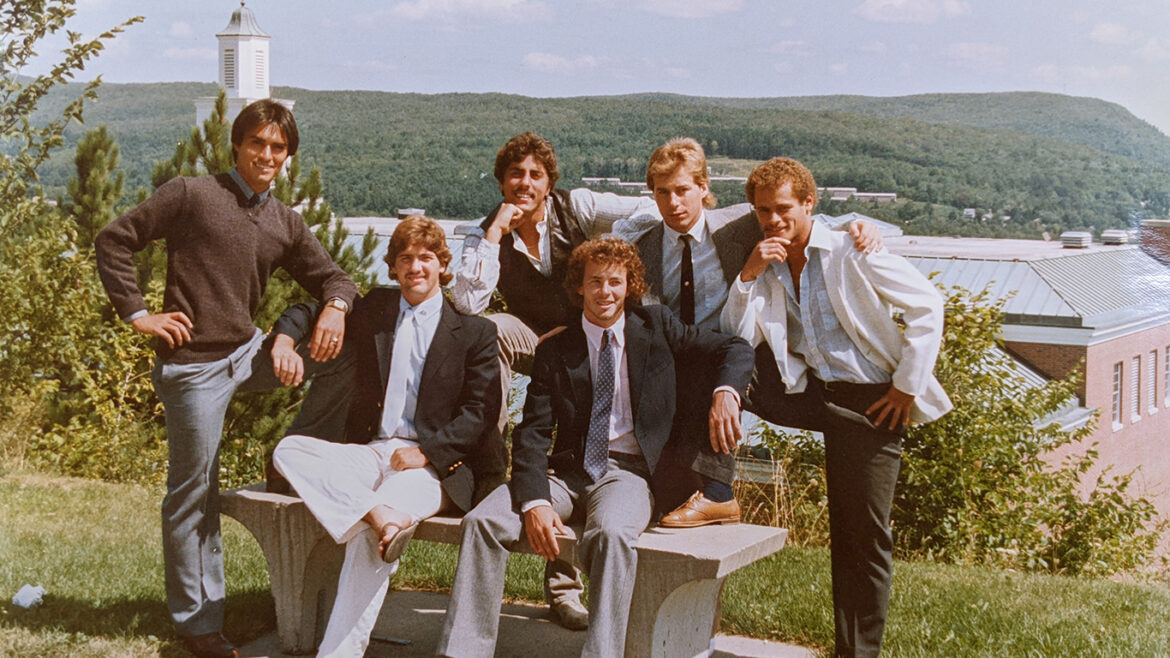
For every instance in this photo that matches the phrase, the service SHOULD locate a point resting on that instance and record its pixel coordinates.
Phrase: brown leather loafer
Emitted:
(210, 645)
(698, 510)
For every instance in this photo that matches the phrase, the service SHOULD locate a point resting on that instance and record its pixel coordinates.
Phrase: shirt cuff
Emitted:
(729, 389)
(134, 316)
(533, 504)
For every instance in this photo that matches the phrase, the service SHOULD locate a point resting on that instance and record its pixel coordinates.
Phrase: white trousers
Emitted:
(340, 483)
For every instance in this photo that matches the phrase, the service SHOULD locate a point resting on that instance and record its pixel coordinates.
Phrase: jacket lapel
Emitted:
(384, 337)
(442, 346)
(650, 249)
(576, 359)
(637, 355)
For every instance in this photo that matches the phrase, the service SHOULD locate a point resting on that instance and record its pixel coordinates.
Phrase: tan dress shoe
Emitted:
(698, 510)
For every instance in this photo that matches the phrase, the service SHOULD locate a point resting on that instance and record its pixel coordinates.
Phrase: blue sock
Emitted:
(716, 491)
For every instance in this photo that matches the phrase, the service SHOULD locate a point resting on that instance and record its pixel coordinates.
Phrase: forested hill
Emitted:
(1089, 121)
(1070, 162)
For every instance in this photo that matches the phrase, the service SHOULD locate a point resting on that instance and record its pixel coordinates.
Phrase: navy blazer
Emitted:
(560, 395)
(459, 391)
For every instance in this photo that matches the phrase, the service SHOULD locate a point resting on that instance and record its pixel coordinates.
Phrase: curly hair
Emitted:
(262, 113)
(522, 146)
(774, 173)
(606, 251)
(681, 152)
(423, 231)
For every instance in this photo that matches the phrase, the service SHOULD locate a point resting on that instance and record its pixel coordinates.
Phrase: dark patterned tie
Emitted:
(597, 440)
(686, 284)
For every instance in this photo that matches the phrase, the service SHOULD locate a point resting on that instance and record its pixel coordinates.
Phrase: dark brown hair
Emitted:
(522, 146)
(261, 113)
(606, 251)
(424, 231)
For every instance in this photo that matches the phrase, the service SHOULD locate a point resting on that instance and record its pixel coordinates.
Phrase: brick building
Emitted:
(1107, 306)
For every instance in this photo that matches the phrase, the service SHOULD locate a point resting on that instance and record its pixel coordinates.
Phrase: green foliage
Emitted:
(797, 498)
(51, 289)
(97, 188)
(1071, 163)
(979, 485)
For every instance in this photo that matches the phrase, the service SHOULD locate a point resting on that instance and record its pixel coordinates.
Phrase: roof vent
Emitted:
(1076, 239)
(1114, 236)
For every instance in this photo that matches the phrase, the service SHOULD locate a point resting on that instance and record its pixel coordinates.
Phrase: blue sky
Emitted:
(1118, 51)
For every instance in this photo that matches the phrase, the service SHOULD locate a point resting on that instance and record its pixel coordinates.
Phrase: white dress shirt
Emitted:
(479, 265)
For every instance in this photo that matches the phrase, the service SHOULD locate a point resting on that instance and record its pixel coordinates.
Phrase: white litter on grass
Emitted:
(29, 596)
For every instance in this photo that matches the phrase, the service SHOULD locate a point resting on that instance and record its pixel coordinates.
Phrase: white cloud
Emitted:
(1156, 50)
(508, 11)
(784, 47)
(910, 11)
(180, 29)
(981, 57)
(191, 54)
(876, 47)
(691, 8)
(1054, 73)
(550, 63)
(840, 68)
(1110, 34)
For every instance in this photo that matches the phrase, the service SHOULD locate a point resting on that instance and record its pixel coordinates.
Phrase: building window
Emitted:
(260, 68)
(1152, 383)
(229, 68)
(1135, 389)
(1117, 395)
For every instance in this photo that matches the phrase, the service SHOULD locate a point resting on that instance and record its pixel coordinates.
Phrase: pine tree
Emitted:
(95, 192)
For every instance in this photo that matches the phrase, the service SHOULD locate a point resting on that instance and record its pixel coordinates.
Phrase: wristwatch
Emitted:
(339, 304)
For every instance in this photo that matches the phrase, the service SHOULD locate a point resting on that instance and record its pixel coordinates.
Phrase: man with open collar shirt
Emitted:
(831, 358)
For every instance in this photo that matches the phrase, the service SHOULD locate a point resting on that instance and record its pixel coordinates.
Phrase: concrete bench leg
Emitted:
(303, 567)
(673, 613)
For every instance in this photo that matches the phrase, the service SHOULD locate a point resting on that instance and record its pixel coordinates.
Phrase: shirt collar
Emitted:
(819, 237)
(698, 232)
(593, 332)
(425, 310)
(249, 193)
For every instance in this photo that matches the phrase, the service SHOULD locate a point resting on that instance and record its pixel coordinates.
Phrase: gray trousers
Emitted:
(195, 397)
(616, 510)
(517, 347)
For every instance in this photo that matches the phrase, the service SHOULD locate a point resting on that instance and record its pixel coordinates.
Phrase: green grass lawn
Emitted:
(96, 548)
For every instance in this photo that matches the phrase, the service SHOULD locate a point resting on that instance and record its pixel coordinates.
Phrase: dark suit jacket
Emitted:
(560, 395)
(458, 397)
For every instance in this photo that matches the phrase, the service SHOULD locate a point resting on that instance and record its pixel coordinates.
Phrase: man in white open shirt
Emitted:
(522, 249)
(831, 358)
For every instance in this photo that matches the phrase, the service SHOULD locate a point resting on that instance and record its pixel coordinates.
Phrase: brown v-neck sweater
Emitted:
(220, 254)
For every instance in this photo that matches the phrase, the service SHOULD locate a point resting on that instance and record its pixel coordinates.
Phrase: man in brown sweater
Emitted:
(225, 237)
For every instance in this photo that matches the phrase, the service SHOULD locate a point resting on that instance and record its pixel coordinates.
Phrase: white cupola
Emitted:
(243, 56)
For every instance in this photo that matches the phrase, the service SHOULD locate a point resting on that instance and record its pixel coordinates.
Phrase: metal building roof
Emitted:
(242, 24)
(887, 229)
(1094, 287)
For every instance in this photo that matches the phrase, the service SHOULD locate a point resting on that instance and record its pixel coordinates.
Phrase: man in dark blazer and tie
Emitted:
(418, 436)
(605, 387)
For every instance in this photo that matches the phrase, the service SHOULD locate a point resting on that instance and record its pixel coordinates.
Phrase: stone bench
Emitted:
(675, 609)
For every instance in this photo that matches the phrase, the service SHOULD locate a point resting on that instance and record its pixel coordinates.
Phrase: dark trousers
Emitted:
(688, 454)
(861, 465)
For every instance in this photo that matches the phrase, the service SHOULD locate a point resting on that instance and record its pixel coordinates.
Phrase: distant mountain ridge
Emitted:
(1102, 125)
(1070, 162)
